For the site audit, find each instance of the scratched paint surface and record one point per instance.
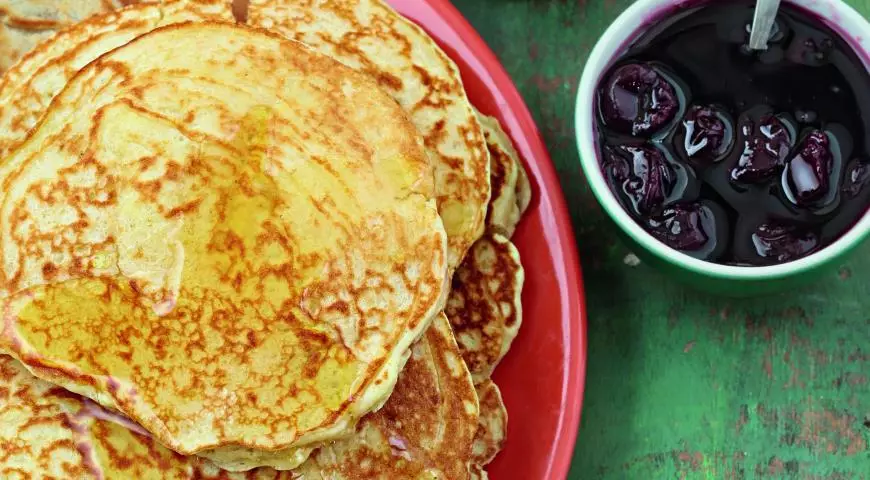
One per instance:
(683, 385)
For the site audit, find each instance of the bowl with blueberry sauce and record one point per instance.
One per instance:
(742, 171)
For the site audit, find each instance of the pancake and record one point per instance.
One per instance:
(242, 278)
(511, 191)
(492, 431)
(371, 37)
(425, 430)
(48, 432)
(24, 23)
(484, 306)
(524, 191)
(28, 87)
(503, 212)
(477, 472)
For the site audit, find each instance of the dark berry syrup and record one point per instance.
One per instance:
(737, 156)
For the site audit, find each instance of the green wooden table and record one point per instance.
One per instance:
(682, 385)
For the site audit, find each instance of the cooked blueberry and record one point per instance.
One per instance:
(765, 147)
(616, 164)
(707, 133)
(857, 178)
(809, 171)
(681, 227)
(643, 173)
(779, 243)
(637, 100)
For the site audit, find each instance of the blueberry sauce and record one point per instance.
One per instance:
(736, 156)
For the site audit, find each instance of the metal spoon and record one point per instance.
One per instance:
(762, 22)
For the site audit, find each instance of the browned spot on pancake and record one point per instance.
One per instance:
(147, 162)
(182, 209)
(32, 23)
(437, 134)
(49, 270)
(436, 88)
(314, 363)
(389, 80)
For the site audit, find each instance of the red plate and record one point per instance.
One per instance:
(542, 376)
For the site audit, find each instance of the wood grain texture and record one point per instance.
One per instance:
(683, 385)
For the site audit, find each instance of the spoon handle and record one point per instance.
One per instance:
(762, 22)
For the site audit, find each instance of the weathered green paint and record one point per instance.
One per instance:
(683, 385)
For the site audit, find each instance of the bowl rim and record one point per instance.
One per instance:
(847, 22)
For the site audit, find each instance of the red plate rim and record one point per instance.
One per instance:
(455, 33)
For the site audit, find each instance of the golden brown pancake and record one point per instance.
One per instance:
(477, 472)
(24, 23)
(227, 237)
(484, 306)
(524, 189)
(511, 192)
(371, 37)
(425, 430)
(492, 430)
(48, 432)
(503, 212)
(26, 90)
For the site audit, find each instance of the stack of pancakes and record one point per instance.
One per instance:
(265, 239)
